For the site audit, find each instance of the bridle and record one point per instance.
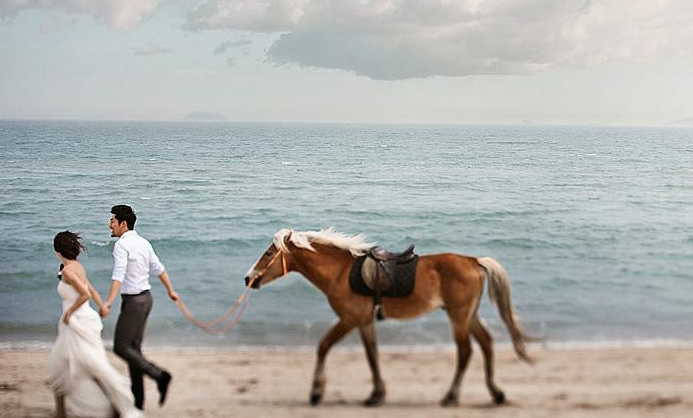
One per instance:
(267, 267)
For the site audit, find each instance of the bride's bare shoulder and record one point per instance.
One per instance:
(74, 271)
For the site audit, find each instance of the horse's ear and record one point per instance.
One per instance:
(287, 237)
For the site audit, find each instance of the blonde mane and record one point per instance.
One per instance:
(355, 244)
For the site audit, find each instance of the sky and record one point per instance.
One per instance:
(620, 62)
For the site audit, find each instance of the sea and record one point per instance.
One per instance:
(594, 224)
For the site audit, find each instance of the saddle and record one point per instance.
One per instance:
(381, 273)
(378, 270)
(380, 254)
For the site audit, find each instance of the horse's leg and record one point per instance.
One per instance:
(335, 334)
(369, 343)
(486, 342)
(460, 319)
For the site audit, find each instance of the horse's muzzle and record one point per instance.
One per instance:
(256, 283)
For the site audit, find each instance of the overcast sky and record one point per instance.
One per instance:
(464, 61)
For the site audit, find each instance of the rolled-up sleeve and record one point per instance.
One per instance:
(155, 265)
(120, 262)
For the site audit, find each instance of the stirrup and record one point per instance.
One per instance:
(379, 312)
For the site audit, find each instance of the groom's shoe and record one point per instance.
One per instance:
(162, 384)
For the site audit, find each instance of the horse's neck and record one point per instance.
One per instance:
(323, 266)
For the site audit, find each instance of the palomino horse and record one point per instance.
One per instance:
(449, 281)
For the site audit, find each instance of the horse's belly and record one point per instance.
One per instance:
(410, 309)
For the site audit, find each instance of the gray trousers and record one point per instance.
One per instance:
(127, 343)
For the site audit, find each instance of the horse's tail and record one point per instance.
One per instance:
(499, 293)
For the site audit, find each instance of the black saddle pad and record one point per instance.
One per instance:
(402, 284)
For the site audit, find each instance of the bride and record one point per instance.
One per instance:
(85, 384)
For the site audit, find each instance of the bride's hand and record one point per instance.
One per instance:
(66, 317)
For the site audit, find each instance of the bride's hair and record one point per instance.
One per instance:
(68, 244)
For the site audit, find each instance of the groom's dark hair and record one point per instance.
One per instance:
(124, 213)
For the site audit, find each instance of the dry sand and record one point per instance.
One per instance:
(256, 383)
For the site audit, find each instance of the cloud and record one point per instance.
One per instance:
(151, 49)
(253, 15)
(117, 14)
(230, 44)
(398, 39)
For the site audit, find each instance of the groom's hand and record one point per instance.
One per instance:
(173, 295)
(104, 311)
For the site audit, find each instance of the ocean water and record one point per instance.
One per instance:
(594, 224)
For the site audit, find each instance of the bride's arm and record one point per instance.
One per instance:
(80, 287)
(95, 295)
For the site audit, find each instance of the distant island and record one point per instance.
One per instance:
(681, 122)
(199, 116)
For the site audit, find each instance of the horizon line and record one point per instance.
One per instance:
(669, 124)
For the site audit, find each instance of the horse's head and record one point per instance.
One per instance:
(272, 264)
(307, 249)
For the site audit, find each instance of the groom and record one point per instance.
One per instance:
(134, 259)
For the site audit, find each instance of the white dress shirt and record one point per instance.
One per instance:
(133, 260)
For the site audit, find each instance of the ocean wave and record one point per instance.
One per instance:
(102, 243)
(523, 243)
(190, 182)
(220, 243)
(18, 213)
(521, 213)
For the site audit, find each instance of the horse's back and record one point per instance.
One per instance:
(456, 274)
(446, 263)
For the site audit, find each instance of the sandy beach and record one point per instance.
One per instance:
(253, 383)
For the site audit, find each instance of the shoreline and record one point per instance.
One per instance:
(40, 345)
(264, 382)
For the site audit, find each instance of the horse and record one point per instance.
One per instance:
(449, 281)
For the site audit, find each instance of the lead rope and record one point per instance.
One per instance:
(210, 327)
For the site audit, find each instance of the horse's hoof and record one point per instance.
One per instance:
(376, 399)
(315, 398)
(499, 398)
(449, 400)
(371, 402)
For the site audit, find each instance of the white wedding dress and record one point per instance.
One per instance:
(79, 368)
